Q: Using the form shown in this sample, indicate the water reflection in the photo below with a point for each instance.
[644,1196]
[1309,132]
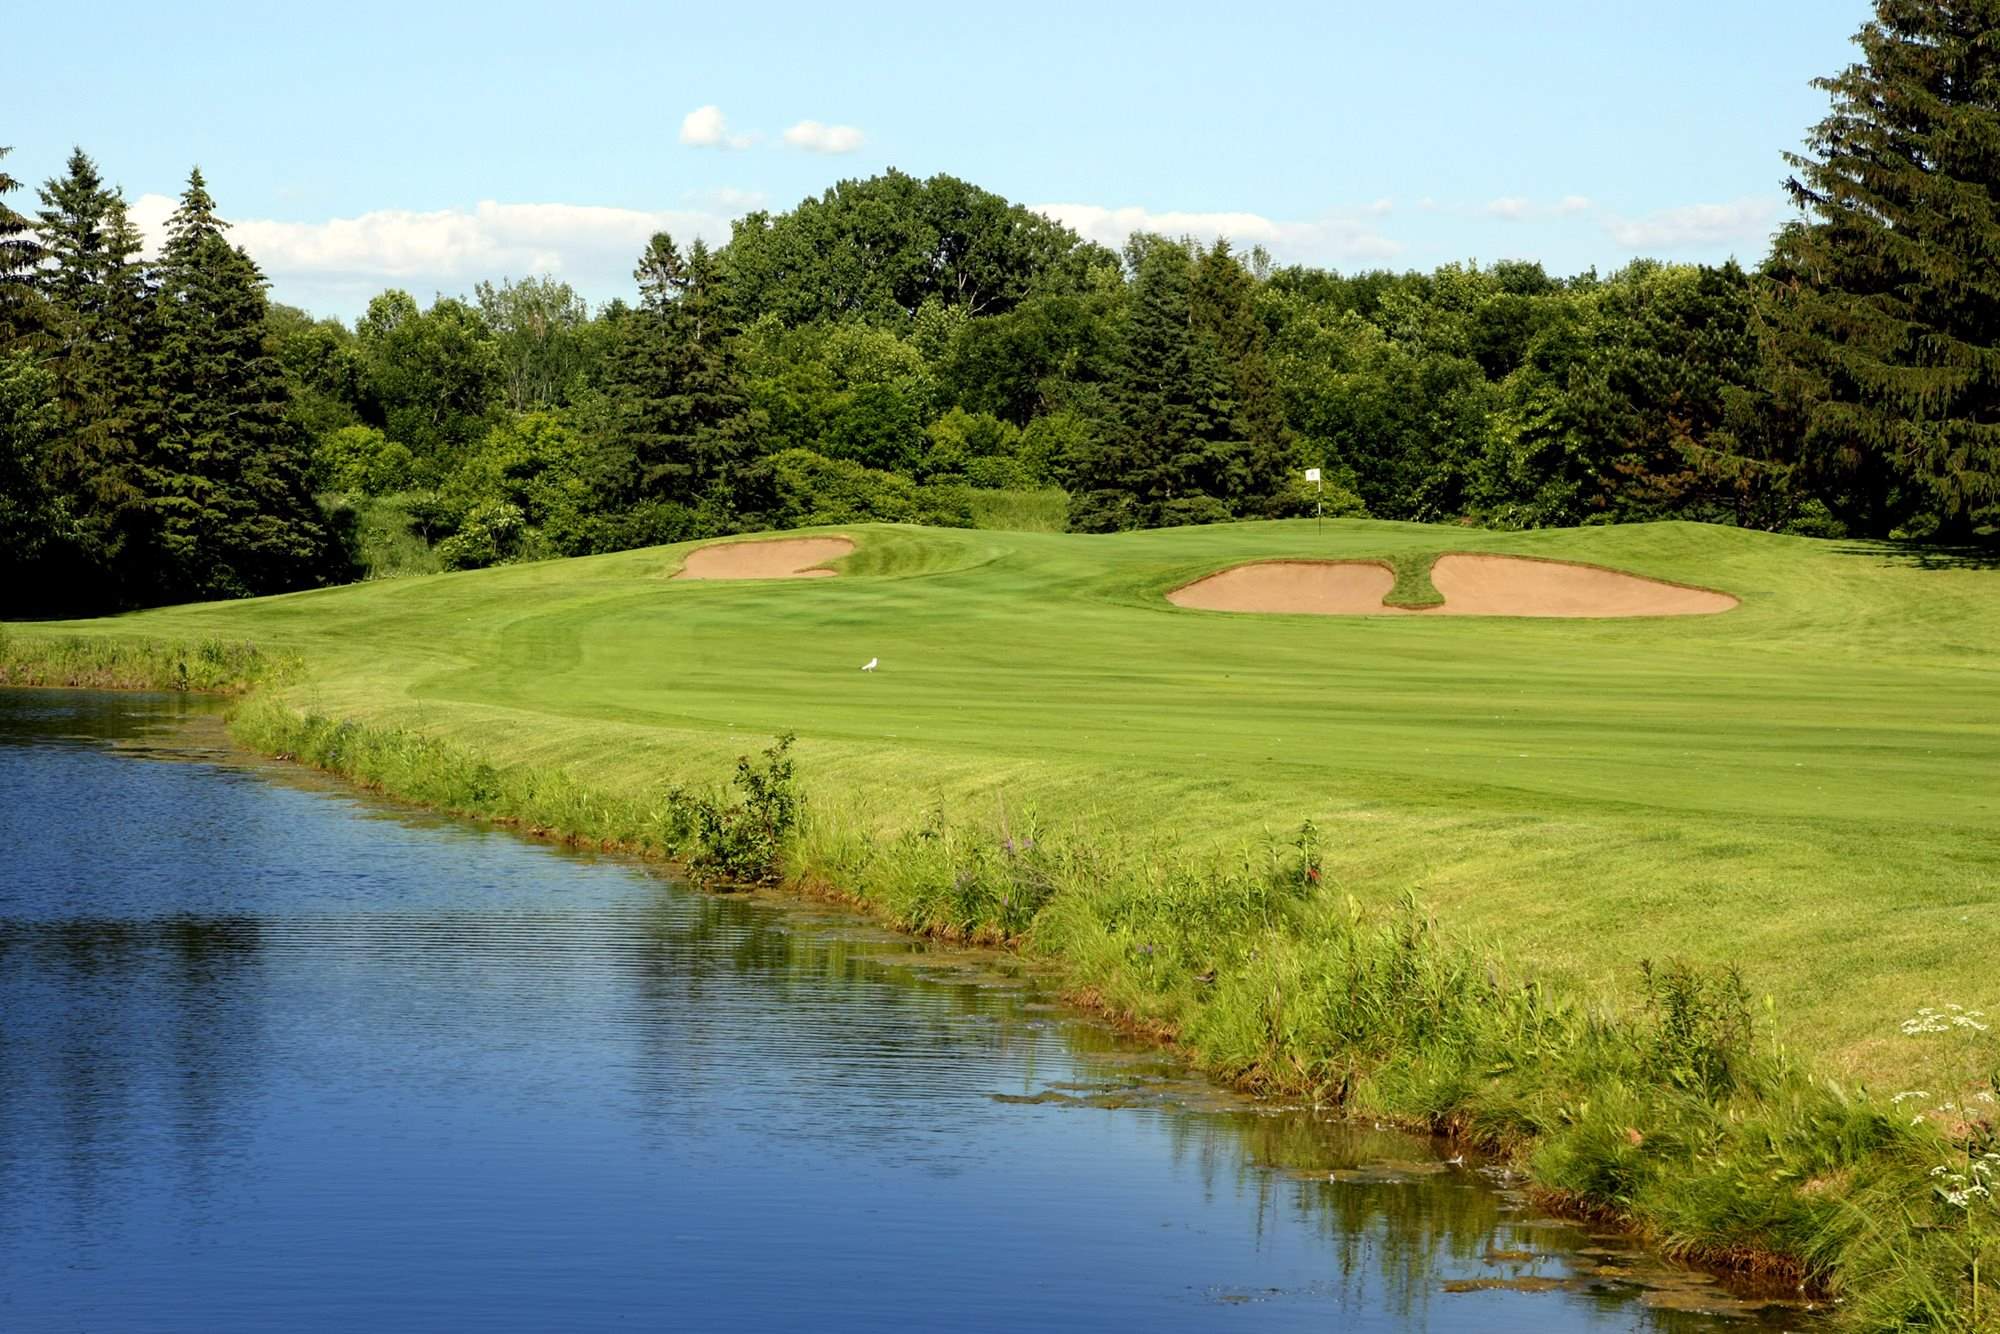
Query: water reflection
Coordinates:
[272,1057]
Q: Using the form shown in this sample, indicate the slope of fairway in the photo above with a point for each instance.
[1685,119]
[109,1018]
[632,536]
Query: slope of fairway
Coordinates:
[1805,784]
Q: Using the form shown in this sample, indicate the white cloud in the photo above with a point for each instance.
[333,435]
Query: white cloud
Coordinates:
[1696,226]
[817,138]
[1327,240]
[707,127]
[1516,208]
[337,264]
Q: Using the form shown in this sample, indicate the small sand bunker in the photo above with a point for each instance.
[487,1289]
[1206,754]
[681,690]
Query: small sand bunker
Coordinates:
[1471,585]
[785,558]
[1328,587]
[1514,586]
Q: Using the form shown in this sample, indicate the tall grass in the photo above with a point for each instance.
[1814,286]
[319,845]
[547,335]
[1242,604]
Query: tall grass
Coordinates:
[1678,1114]
[103,663]
[1042,510]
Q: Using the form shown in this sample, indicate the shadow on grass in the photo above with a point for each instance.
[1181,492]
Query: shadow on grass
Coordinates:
[1979,554]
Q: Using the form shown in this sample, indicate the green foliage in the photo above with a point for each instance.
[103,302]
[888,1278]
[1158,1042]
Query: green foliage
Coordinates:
[879,249]
[226,474]
[808,490]
[33,517]
[431,379]
[1884,307]
[363,461]
[1044,510]
[742,839]
[547,348]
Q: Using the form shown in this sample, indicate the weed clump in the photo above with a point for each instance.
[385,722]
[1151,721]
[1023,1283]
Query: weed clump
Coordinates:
[739,839]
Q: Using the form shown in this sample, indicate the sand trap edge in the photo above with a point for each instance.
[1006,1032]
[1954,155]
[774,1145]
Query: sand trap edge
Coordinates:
[764,558]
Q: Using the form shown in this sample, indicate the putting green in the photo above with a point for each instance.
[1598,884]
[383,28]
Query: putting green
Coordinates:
[1808,784]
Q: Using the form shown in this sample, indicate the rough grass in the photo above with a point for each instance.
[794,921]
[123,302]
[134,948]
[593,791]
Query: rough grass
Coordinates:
[210,665]
[1042,510]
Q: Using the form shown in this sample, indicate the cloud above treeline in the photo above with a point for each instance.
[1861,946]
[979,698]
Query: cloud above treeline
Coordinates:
[708,127]
[339,263]
[1705,226]
[336,265]
[1329,240]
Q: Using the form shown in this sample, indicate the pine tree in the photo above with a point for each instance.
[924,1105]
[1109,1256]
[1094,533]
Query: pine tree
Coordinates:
[228,472]
[682,412]
[1885,309]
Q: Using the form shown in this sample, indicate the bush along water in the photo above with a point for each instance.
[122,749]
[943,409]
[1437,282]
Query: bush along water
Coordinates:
[1676,1113]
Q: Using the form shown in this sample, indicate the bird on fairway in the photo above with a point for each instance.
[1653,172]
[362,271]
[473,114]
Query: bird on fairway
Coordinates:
[870,665]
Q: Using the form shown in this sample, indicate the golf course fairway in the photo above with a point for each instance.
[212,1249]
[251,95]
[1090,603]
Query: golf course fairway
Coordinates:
[1806,785]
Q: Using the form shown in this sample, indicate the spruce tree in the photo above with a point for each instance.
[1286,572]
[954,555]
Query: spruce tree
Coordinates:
[1884,311]
[1172,453]
[228,472]
[20,256]
[1223,306]
[681,409]
[94,313]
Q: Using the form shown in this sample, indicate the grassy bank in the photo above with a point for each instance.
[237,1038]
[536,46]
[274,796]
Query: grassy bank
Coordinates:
[1800,787]
[210,665]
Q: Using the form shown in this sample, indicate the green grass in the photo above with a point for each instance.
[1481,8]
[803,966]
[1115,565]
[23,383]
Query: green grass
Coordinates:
[1043,510]
[1808,785]
[1804,787]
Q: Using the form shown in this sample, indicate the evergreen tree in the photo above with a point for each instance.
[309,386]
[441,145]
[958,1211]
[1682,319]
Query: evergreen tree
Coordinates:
[1172,453]
[20,256]
[1223,305]
[1885,309]
[95,314]
[228,474]
[681,411]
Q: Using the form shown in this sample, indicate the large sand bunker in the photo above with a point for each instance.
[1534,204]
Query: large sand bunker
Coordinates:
[1516,586]
[1471,585]
[785,558]
[1328,587]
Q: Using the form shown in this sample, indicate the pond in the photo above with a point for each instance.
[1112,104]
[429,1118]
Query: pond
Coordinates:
[274,1055]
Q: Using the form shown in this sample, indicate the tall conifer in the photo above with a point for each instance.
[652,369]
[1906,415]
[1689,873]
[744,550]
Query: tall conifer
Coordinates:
[1885,311]
[20,255]
[682,410]
[229,469]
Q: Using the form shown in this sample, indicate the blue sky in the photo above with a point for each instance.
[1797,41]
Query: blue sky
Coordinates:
[427,146]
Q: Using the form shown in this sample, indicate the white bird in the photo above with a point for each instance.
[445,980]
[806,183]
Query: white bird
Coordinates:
[871,664]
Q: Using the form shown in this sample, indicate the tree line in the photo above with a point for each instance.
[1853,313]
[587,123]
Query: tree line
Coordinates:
[923,350]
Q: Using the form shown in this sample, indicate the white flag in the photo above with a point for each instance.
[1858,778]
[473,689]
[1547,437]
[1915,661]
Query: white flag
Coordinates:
[1312,474]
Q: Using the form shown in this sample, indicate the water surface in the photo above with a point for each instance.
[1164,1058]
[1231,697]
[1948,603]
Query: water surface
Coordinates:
[277,1057]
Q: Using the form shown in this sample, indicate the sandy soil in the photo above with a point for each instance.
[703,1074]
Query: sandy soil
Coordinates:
[1511,586]
[1331,588]
[785,558]
[1472,585]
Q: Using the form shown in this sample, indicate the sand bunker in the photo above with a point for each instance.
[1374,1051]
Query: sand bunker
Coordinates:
[1514,586]
[1471,585]
[786,558]
[1328,587]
